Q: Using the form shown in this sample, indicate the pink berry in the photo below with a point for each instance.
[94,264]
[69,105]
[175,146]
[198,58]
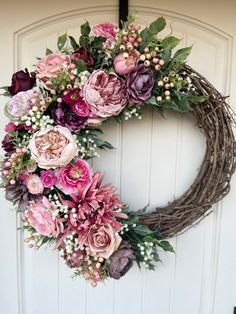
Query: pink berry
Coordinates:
[135,44]
[139,40]
[125,38]
[131,39]
[155,60]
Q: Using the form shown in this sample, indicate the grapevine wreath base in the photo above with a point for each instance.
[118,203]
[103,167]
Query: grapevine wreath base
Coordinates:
[212,183]
[55,116]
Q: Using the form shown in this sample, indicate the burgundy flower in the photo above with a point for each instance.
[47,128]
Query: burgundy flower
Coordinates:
[78,105]
[64,116]
[8,145]
[121,260]
[21,81]
[83,54]
[139,84]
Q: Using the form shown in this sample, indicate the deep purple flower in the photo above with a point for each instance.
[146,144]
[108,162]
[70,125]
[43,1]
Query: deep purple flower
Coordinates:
[21,81]
[139,84]
[64,116]
[121,260]
[83,54]
[8,145]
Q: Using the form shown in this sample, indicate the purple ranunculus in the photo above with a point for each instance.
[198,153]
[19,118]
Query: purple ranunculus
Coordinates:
[64,116]
[83,54]
[21,81]
[139,84]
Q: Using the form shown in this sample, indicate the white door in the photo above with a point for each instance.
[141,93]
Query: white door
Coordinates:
[154,162]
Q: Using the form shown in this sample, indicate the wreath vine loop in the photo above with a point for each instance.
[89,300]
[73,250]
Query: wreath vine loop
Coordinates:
[215,119]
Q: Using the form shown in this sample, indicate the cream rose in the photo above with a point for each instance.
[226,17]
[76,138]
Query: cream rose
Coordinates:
[103,241]
[53,148]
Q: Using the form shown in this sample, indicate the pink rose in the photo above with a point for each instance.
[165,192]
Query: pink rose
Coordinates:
[104,93]
[103,241]
[125,62]
[74,177]
[23,175]
[52,65]
[34,184]
[40,217]
[48,178]
[106,30]
[53,148]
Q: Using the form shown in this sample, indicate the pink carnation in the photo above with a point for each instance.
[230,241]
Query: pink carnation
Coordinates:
[48,178]
[52,65]
[104,93]
[106,30]
[74,177]
[40,217]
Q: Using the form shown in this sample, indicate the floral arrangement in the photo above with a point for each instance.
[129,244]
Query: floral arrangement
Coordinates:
[55,116]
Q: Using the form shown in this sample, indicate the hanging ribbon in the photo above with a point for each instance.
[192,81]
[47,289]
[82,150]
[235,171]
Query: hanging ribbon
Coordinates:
[123,11]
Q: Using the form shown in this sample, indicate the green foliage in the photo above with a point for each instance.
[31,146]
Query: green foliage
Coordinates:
[48,51]
[62,41]
[158,25]
[179,58]
[85,29]
[80,65]
[73,43]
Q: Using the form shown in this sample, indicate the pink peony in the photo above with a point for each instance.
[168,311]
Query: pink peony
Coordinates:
[125,62]
[34,184]
[48,178]
[53,148]
[74,177]
[106,30]
[40,217]
[104,93]
[103,240]
[52,65]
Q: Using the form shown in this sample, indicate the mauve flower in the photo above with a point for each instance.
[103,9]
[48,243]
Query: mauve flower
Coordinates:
[64,116]
[74,177]
[8,145]
[121,260]
[104,93]
[20,104]
[21,81]
[10,127]
[125,62]
[34,184]
[77,104]
[40,217]
[106,30]
[52,65]
[83,54]
[103,240]
[48,178]
[53,148]
[139,84]
[18,194]
[23,175]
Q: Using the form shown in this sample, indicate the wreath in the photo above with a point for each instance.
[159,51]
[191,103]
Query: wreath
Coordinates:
[55,116]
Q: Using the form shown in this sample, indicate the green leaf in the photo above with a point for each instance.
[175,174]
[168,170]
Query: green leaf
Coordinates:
[103,144]
[98,42]
[142,230]
[179,58]
[151,101]
[48,51]
[61,41]
[73,43]
[80,65]
[85,29]
[166,246]
[170,42]
[84,41]
[158,25]
[196,99]
[147,36]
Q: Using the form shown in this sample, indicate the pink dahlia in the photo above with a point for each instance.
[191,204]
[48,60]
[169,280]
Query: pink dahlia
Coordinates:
[74,177]
[95,205]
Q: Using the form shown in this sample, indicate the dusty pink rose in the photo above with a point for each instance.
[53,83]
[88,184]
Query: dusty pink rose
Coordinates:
[125,62]
[106,30]
[52,65]
[74,177]
[104,93]
[40,217]
[34,184]
[48,178]
[103,240]
[53,148]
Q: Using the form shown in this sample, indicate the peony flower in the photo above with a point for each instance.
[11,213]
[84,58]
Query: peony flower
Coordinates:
[103,240]
[106,30]
[52,65]
[53,148]
[20,104]
[48,178]
[74,177]
[78,105]
[83,54]
[34,184]
[139,84]
[40,217]
[121,260]
[125,62]
[64,116]
[104,93]
[21,81]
